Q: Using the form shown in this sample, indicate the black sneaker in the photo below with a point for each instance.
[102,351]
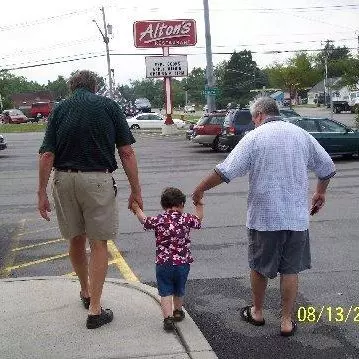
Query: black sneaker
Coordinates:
[96,321]
[178,315]
[168,324]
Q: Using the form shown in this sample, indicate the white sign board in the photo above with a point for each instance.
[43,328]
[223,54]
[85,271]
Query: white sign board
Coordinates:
[166,66]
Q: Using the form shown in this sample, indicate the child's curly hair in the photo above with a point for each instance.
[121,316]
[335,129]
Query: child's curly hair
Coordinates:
[172,197]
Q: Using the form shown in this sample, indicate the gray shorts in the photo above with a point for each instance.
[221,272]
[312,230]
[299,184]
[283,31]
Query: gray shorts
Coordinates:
[284,252]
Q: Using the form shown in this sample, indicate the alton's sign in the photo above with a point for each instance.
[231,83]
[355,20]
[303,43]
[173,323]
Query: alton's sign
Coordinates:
[164,33]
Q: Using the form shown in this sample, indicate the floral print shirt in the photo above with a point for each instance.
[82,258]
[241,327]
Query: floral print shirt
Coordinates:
[172,236]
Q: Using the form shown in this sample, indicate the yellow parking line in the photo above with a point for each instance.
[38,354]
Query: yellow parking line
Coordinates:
[38,231]
[39,261]
[38,244]
[121,263]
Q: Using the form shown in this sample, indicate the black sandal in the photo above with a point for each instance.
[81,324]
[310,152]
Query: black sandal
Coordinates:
[178,315]
[291,333]
[85,301]
[168,324]
[96,321]
[246,315]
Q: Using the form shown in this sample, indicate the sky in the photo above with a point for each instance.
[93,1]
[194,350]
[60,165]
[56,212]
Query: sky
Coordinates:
[39,31]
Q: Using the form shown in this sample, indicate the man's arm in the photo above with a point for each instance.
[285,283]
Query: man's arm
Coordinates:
[129,164]
[318,198]
[212,180]
[46,162]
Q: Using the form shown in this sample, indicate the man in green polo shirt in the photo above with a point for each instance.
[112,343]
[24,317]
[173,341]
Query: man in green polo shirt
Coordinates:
[82,134]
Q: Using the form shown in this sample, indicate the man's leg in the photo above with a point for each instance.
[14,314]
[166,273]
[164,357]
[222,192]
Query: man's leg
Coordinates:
[77,253]
[97,273]
[259,285]
[289,289]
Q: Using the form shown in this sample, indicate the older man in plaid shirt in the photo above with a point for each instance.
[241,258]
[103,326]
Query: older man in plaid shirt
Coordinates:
[277,155]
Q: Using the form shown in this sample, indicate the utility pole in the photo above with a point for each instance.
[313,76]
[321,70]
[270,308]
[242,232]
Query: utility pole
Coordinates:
[211,104]
[106,40]
[326,55]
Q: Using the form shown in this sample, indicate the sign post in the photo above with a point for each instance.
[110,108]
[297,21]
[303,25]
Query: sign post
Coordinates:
[164,34]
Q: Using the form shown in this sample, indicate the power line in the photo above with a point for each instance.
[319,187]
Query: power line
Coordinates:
[43,20]
[187,10]
[78,57]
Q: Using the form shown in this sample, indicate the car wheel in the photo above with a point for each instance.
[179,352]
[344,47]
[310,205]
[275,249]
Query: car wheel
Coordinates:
[135,127]
[348,156]
[215,144]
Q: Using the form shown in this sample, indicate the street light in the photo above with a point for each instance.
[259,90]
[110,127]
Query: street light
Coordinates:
[106,40]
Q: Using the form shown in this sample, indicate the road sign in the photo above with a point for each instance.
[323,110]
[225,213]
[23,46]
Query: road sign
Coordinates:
[210,91]
[166,66]
[164,33]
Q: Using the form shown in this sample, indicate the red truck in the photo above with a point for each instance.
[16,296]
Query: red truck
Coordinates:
[41,109]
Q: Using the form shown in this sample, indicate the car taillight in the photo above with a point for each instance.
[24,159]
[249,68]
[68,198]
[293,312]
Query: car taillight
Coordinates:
[231,130]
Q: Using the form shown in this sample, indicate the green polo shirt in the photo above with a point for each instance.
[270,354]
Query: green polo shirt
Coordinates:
[83,132]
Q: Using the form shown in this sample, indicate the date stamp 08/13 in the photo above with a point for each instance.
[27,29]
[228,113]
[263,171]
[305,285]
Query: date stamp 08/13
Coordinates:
[333,314]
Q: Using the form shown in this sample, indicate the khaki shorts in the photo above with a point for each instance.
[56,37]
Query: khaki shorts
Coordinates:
[85,203]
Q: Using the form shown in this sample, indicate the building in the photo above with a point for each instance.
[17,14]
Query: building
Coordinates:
[317,92]
[24,100]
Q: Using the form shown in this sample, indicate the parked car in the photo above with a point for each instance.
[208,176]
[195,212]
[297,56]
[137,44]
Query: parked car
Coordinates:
[13,116]
[335,137]
[3,143]
[208,128]
[189,108]
[150,121]
[143,105]
[236,123]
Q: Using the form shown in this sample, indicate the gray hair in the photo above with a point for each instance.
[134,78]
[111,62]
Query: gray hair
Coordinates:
[83,79]
[266,105]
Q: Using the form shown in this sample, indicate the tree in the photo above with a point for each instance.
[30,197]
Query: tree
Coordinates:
[195,84]
[350,75]
[298,74]
[59,88]
[11,84]
[239,77]
[336,56]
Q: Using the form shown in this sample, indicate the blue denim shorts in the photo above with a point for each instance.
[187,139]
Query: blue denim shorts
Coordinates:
[171,280]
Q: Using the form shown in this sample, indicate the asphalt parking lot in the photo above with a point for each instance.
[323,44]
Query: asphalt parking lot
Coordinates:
[219,283]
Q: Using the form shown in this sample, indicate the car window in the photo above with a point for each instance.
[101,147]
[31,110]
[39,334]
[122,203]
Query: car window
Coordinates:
[308,125]
[154,118]
[243,118]
[216,120]
[143,118]
[330,126]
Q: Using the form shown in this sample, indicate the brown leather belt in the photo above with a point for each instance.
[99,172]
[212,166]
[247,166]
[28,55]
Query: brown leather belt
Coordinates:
[77,170]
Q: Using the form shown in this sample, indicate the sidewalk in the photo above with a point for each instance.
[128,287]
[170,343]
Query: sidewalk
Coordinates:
[43,317]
